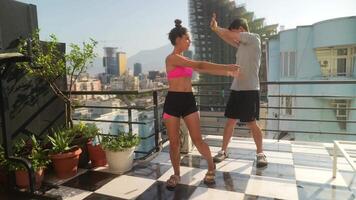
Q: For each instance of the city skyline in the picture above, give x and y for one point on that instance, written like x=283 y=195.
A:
x=135 y=26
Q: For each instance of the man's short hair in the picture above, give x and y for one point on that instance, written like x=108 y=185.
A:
x=239 y=22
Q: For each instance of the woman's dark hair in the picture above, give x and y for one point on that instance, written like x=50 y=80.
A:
x=176 y=32
x=239 y=22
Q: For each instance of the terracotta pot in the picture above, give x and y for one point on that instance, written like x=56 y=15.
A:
x=96 y=155
x=22 y=179
x=84 y=156
x=66 y=164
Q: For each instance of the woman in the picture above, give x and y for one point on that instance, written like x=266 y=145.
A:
x=180 y=101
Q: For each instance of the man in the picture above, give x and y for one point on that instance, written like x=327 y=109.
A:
x=244 y=100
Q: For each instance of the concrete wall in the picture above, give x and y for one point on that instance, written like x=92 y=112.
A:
x=29 y=102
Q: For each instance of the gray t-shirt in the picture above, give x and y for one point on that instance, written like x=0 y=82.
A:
x=248 y=56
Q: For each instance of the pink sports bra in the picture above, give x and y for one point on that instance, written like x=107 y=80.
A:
x=180 y=71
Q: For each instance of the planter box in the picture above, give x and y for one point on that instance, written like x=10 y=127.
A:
x=120 y=161
x=84 y=156
x=96 y=154
x=22 y=179
x=66 y=164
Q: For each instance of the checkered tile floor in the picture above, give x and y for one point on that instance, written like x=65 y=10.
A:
x=296 y=170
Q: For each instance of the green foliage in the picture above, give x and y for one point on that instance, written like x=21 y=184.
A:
x=77 y=130
x=88 y=131
x=121 y=142
x=91 y=131
x=47 y=58
x=2 y=157
x=79 y=58
x=49 y=63
x=32 y=151
x=38 y=156
x=61 y=141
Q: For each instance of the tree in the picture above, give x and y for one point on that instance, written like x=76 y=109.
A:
x=50 y=64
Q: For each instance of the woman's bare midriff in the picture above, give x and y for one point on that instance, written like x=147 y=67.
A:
x=183 y=84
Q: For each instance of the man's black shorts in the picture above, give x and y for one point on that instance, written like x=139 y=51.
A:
x=243 y=105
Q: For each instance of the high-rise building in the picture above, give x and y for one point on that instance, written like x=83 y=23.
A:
x=209 y=47
x=153 y=74
x=188 y=54
x=137 y=69
x=121 y=62
x=110 y=61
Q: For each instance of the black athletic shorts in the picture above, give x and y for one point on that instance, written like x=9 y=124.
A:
x=243 y=105
x=179 y=104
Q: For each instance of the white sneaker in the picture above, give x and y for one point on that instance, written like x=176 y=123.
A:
x=220 y=156
x=261 y=160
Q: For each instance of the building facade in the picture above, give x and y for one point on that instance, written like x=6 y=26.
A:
x=323 y=51
x=209 y=47
x=137 y=69
x=86 y=83
x=110 y=61
x=121 y=63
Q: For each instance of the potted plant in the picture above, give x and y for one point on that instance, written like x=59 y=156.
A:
x=87 y=137
x=79 y=132
x=64 y=156
x=119 y=151
x=38 y=158
x=96 y=153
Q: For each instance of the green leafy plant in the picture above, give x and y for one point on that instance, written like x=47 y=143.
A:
x=77 y=130
x=33 y=151
x=91 y=131
x=49 y=63
x=121 y=142
x=3 y=162
x=61 y=141
x=87 y=131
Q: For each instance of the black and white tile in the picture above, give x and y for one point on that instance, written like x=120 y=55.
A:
x=296 y=170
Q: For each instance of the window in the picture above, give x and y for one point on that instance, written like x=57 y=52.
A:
x=288 y=64
x=292 y=59
x=83 y=87
x=285 y=64
x=341 y=111
x=353 y=67
x=341 y=62
x=337 y=62
x=324 y=57
x=287 y=104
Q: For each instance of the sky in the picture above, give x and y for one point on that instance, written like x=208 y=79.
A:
x=135 y=25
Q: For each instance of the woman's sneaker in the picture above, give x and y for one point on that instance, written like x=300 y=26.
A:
x=220 y=156
x=261 y=160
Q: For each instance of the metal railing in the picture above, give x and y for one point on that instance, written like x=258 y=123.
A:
x=158 y=141
x=159 y=129
x=287 y=83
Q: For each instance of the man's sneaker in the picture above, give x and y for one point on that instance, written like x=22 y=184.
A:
x=220 y=156
x=261 y=160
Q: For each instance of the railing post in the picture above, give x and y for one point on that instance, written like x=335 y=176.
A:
x=335 y=160
x=130 y=119
x=156 y=121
